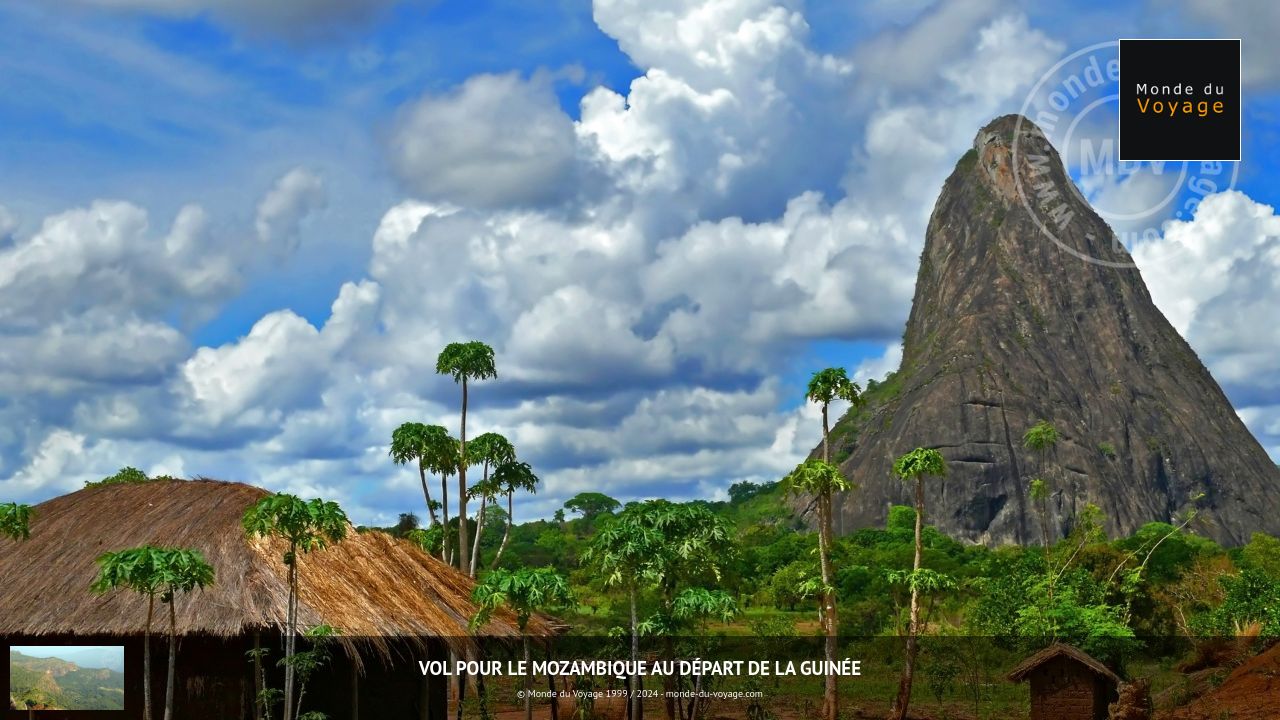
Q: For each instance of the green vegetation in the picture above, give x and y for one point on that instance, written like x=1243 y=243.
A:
x=154 y=571
x=15 y=521
x=56 y=684
x=305 y=526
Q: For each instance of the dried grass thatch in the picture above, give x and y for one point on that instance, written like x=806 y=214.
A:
x=371 y=585
x=1024 y=668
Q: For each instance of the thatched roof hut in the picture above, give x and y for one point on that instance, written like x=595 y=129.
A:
x=371 y=586
x=392 y=604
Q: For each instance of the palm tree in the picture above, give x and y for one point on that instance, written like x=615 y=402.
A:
x=525 y=591
x=489 y=450
x=465 y=361
x=134 y=569
x=510 y=477
x=15 y=521
x=821 y=479
x=412 y=442
x=181 y=570
x=914 y=467
x=306 y=526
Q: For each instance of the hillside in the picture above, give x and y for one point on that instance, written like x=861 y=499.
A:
x=57 y=684
x=1008 y=328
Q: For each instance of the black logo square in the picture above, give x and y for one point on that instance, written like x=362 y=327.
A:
x=1180 y=100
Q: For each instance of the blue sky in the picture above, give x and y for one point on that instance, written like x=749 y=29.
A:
x=233 y=235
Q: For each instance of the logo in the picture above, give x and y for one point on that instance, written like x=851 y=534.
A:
x=1077 y=105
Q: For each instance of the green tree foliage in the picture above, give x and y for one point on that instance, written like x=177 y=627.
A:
x=508 y=478
x=1262 y=553
x=489 y=450
x=414 y=442
x=914 y=467
x=1250 y=598
x=15 y=521
x=124 y=476
x=155 y=571
x=465 y=362
x=524 y=591
x=306 y=526
x=591 y=505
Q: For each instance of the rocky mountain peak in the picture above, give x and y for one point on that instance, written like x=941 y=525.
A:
x=1027 y=309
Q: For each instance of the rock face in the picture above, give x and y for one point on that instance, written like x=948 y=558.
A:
x=1008 y=328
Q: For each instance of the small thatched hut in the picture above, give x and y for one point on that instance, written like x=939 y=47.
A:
x=1067 y=684
x=392 y=603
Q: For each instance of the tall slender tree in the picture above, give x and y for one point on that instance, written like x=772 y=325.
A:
x=181 y=570
x=465 y=362
x=305 y=526
x=489 y=450
x=821 y=479
x=621 y=552
x=411 y=442
x=510 y=477
x=443 y=459
x=1041 y=439
x=914 y=467
x=525 y=591
x=134 y=569
x=827 y=386
x=15 y=521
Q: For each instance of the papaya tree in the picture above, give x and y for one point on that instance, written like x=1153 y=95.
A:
x=914 y=467
x=821 y=480
x=134 y=569
x=825 y=387
x=489 y=450
x=305 y=526
x=510 y=477
x=1041 y=439
x=411 y=442
x=465 y=362
x=524 y=591
x=181 y=570
x=15 y=521
x=621 y=552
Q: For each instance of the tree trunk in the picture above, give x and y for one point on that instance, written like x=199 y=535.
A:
x=637 y=708
x=830 y=699
x=551 y=686
x=355 y=692
x=291 y=622
x=173 y=658
x=528 y=687
x=464 y=555
x=913 y=631
x=426 y=494
x=506 y=534
x=445 y=545
x=146 y=659
x=259 y=682
x=484 y=503
x=475 y=547
x=826 y=436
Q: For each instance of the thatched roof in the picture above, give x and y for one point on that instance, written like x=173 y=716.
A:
x=370 y=585
x=1019 y=673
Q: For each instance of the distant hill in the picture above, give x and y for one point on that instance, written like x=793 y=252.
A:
x=57 y=684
